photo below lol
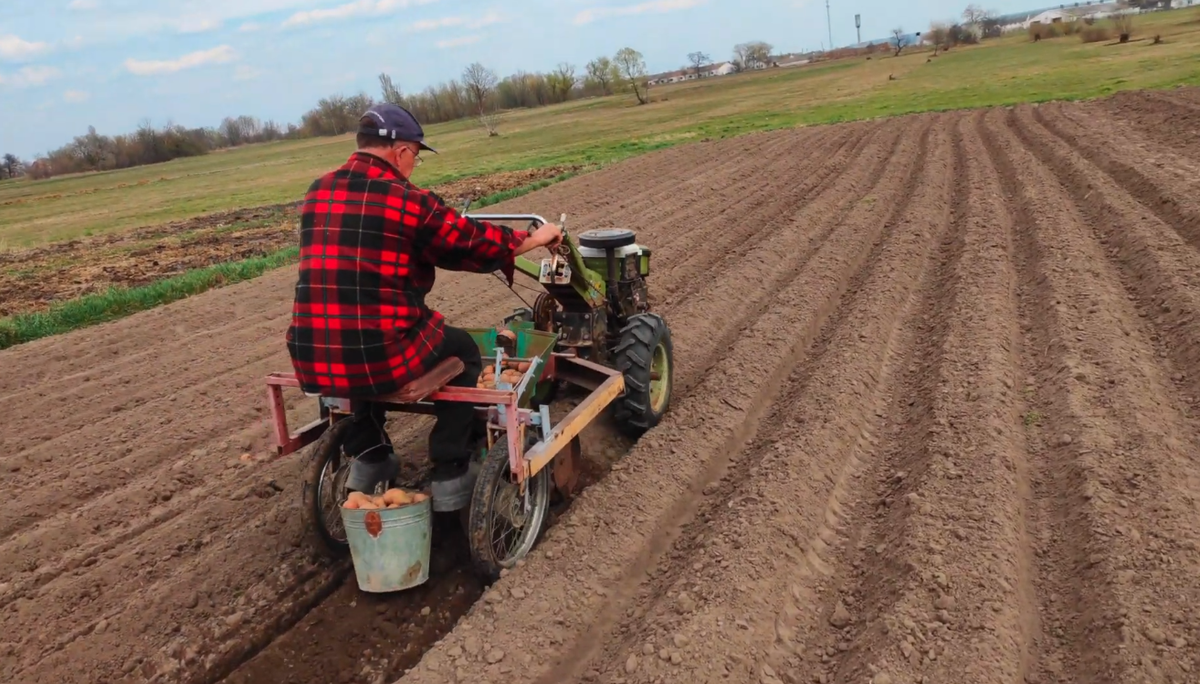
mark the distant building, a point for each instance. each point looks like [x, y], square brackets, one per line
[689, 74]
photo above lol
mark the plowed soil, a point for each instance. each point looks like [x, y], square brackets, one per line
[936, 419]
[35, 279]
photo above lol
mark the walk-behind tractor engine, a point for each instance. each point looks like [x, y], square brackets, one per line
[591, 329]
[598, 303]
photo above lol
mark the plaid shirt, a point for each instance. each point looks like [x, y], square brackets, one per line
[369, 242]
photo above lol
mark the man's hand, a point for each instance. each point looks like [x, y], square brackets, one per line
[548, 235]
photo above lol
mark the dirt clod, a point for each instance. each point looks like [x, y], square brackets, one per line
[840, 617]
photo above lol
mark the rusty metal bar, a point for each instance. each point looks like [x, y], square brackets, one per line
[575, 421]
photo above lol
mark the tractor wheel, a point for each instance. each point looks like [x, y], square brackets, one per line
[502, 528]
[323, 490]
[643, 350]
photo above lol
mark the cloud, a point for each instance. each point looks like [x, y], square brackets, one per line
[217, 55]
[356, 8]
[76, 96]
[249, 27]
[589, 15]
[13, 47]
[457, 42]
[30, 76]
[453, 22]
[83, 5]
[246, 73]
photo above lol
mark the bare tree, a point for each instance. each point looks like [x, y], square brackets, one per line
[898, 41]
[698, 60]
[480, 83]
[10, 166]
[973, 14]
[633, 69]
[603, 73]
[391, 92]
[938, 35]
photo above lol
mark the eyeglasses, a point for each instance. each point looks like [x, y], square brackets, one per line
[416, 156]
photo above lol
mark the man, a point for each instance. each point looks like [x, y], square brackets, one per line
[370, 241]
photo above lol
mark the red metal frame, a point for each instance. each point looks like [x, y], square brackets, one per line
[487, 401]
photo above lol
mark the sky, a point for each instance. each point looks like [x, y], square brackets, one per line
[69, 64]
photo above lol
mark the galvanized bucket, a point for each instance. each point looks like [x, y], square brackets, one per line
[390, 546]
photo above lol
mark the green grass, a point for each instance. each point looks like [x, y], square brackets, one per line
[598, 131]
[117, 302]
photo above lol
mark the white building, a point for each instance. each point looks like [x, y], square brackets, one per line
[689, 74]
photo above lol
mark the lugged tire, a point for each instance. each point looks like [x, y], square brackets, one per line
[328, 448]
[634, 412]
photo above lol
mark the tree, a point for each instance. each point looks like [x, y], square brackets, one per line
[11, 166]
[938, 35]
[898, 41]
[633, 69]
[698, 60]
[391, 92]
[752, 55]
[603, 73]
[974, 14]
[480, 82]
[563, 81]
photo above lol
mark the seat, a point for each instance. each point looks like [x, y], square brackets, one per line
[427, 384]
[418, 389]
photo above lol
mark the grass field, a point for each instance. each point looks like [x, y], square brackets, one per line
[1004, 71]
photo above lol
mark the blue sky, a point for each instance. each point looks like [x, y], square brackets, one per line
[68, 64]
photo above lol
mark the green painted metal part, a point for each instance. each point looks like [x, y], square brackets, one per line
[587, 283]
[390, 547]
[530, 343]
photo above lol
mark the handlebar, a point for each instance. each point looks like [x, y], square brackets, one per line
[534, 220]
[496, 218]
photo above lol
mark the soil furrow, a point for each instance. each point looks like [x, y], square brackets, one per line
[1169, 197]
[734, 565]
[1108, 441]
[652, 193]
[948, 470]
[742, 481]
[1158, 270]
[764, 209]
[1159, 117]
[661, 474]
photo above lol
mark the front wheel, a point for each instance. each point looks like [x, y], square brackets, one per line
[504, 524]
[323, 490]
[645, 355]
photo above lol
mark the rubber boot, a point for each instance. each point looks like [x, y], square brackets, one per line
[452, 491]
[370, 469]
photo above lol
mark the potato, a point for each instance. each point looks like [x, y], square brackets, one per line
[523, 366]
[395, 496]
[351, 504]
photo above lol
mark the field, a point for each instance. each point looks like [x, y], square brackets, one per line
[936, 419]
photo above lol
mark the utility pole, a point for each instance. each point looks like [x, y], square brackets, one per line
[829, 21]
[858, 27]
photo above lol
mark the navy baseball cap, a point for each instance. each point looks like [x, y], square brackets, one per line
[395, 122]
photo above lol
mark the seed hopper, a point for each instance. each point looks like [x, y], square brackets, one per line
[590, 329]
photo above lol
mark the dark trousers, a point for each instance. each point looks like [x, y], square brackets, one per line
[456, 427]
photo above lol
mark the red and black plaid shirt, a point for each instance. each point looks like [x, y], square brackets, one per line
[369, 242]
